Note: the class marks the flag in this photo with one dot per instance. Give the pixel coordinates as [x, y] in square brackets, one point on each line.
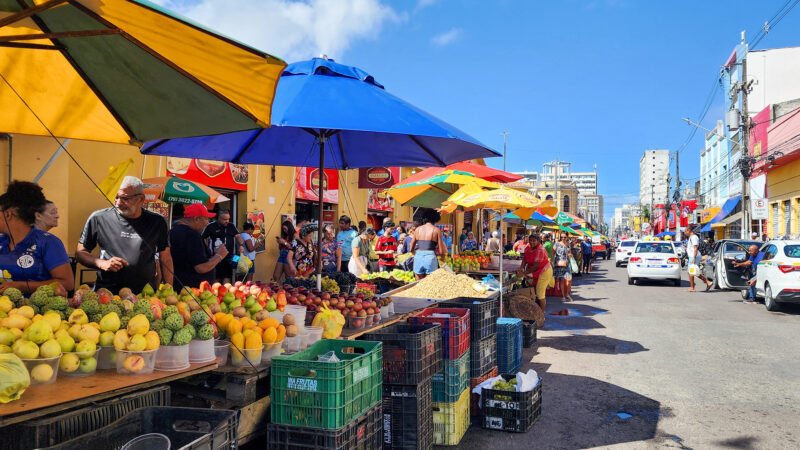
[110, 185]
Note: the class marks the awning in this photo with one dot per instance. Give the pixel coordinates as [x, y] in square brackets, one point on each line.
[726, 209]
[708, 214]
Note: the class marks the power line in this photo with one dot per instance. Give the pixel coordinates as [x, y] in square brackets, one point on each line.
[782, 12]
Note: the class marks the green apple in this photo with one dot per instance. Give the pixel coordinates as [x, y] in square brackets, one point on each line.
[88, 365]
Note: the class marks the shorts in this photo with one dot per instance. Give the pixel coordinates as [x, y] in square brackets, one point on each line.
[282, 257]
[425, 262]
[694, 260]
[252, 270]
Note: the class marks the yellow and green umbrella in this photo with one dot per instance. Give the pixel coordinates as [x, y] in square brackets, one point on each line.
[177, 190]
[125, 71]
[431, 192]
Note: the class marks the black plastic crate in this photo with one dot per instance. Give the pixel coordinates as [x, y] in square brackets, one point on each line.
[55, 429]
[407, 416]
[411, 353]
[528, 334]
[483, 313]
[482, 356]
[364, 433]
[510, 410]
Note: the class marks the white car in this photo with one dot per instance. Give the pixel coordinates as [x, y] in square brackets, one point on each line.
[654, 261]
[623, 252]
[778, 273]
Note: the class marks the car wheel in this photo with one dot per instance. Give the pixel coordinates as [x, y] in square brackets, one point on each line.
[677, 282]
[745, 294]
[769, 300]
[631, 281]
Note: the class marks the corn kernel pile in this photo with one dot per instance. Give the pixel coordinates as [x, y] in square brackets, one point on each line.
[443, 284]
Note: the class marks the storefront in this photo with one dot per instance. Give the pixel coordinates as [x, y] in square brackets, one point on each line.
[228, 179]
[307, 195]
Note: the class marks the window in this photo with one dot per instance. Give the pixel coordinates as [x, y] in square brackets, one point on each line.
[549, 197]
[792, 251]
[565, 204]
[770, 252]
[654, 247]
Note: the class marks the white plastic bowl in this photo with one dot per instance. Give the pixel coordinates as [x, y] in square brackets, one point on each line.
[149, 357]
[201, 351]
[172, 357]
[31, 364]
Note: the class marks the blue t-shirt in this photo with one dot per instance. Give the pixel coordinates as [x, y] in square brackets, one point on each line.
[448, 242]
[33, 258]
[756, 259]
[345, 238]
[586, 248]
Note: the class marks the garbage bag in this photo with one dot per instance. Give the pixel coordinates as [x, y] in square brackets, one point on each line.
[14, 377]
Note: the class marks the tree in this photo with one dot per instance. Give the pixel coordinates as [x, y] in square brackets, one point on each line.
[646, 212]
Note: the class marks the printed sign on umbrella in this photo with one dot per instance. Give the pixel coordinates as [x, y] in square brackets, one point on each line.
[178, 190]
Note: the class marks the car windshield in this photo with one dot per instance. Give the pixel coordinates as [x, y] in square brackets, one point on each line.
[627, 244]
[654, 247]
[792, 251]
[740, 246]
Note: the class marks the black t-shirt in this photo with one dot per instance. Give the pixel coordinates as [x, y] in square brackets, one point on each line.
[188, 250]
[134, 240]
[227, 235]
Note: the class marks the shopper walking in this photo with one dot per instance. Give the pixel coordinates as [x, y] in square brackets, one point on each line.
[385, 248]
[693, 253]
[345, 237]
[427, 243]
[359, 262]
[562, 271]
[301, 252]
[586, 255]
[288, 234]
[493, 244]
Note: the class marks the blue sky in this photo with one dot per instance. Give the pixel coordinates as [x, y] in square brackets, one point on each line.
[587, 81]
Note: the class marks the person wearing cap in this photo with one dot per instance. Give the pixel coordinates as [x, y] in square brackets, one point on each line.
[386, 247]
[194, 262]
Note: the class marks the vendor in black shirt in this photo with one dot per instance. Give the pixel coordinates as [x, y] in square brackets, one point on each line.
[129, 238]
[224, 230]
[194, 261]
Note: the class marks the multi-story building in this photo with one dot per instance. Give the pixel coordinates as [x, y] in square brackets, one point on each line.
[585, 183]
[591, 208]
[653, 174]
[716, 175]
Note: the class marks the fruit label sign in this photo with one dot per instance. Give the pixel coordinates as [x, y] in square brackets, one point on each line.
[360, 374]
[302, 384]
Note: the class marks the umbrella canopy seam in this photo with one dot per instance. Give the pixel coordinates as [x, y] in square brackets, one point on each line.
[429, 152]
[30, 12]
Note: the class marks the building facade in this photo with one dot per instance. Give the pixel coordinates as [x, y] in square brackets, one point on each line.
[587, 203]
[716, 173]
[653, 174]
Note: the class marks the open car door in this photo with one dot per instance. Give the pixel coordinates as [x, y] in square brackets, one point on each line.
[735, 277]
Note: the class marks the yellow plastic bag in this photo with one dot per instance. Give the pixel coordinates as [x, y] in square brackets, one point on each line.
[14, 377]
[331, 321]
[244, 265]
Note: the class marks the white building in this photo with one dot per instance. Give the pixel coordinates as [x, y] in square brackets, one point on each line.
[586, 182]
[591, 208]
[774, 74]
[653, 174]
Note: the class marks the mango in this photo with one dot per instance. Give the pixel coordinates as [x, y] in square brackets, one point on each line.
[6, 304]
[138, 325]
[253, 341]
[78, 317]
[110, 322]
[269, 335]
[121, 340]
[39, 332]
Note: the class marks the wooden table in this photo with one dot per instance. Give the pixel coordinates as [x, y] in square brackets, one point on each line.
[70, 392]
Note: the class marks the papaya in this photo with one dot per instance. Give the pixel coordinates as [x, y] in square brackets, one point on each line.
[253, 341]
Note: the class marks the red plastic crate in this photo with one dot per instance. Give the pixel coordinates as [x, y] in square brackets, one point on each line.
[474, 408]
[455, 329]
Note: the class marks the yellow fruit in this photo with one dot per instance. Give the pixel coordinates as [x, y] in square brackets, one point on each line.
[138, 325]
[66, 342]
[5, 349]
[269, 336]
[39, 332]
[237, 340]
[94, 325]
[26, 349]
[222, 320]
[17, 321]
[137, 343]
[49, 349]
[85, 349]
[7, 336]
[17, 332]
[53, 319]
[133, 363]
[248, 324]
[73, 331]
[153, 341]
[36, 318]
[281, 330]
[253, 341]
[69, 363]
[246, 333]
[269, 323]
[106, 338]
[110, 322]
[78, 316]
[6, 304]
[121, 340]
[64, 325]
[88, 333]
[26, 311]
[234, 326]
[42, 373]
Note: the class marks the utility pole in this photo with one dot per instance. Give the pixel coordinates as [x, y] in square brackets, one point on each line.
[678, 196]
[744, 158]
[652, 216]
[505, 135]
[557, 198]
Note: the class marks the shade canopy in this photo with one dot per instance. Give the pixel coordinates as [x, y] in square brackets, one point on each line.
[477, 170]
[359, 124]
[726, 209]
[533, 219]
[502, 198]
[125, 71]
[431, 192]
[177, 190]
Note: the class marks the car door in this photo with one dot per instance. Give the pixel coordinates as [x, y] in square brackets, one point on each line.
[765, 268]
[735, 277]
[711, 260]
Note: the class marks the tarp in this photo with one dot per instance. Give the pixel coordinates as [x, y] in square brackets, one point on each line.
[726, 209]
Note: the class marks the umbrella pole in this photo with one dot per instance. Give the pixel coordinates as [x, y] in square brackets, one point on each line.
[502, 210]
[321, 197]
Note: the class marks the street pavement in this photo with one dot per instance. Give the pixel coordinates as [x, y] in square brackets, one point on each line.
[654, 366]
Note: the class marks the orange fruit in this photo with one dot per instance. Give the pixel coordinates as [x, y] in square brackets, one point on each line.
[269, 323]
[233, 327]
[281, 332]
[253, 341]
[246, 333]
[269, 336]
[237, 340]
[248, 324]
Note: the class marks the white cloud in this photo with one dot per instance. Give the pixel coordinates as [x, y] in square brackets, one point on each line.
[424, 3]
[446, 38]
[290, 29]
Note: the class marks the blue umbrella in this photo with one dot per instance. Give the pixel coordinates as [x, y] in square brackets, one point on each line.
[535, 219]
[337, 115]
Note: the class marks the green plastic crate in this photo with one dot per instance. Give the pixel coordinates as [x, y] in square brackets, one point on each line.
[309, 393]
[450, 382]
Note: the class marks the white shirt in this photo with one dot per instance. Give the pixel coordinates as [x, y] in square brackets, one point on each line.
[251, 255]
[691, 246]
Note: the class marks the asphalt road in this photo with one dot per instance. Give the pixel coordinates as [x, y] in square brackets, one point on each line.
[654, 366]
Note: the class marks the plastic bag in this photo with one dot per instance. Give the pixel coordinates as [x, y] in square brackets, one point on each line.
[331, 321]
[328, 357]
[244, 265]
[14, 377]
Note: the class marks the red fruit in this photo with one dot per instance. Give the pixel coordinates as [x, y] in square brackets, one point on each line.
[221, 290]
[104, 298]
[352, 314]
[362, 313]
[358, 307]
[349, 304]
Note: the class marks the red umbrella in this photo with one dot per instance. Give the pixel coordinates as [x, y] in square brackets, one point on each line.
[486, 173]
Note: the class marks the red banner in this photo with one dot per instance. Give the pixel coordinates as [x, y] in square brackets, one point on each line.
[307, 187]
[211, 173]
[378, 177]
[378, 200]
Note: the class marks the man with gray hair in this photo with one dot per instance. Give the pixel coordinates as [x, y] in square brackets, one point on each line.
[129, 238]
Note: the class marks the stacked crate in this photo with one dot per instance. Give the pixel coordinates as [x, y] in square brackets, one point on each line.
[528, 334]
[483, 339]
[321, 404]
[412, 354]
[509, 345]
[509, 410]
[450, 391]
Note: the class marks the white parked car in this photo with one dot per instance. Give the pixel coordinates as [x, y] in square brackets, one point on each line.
[778, 273]
[624, 250]
[654, 261]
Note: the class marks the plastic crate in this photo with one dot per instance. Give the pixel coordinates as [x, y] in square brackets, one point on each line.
[529, 334]
[455, 329]
[509, 410]
[308, 393]
[451, 420]
[448, 383]
[363, 433]
[186, 428]
[509, 345]
[52, 430]
[483, 356]
[407, 416]
[483, 313]
[411, 353]
[475, 398]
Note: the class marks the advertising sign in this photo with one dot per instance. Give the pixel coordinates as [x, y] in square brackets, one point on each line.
[211, 173]
[257, 219]
[307, 186]
[378, 177]
[378, 200]
[759, 208]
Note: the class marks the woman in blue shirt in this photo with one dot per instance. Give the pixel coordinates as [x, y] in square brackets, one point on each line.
[29, 257]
